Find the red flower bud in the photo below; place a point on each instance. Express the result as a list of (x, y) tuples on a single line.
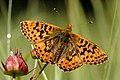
[(15, 64)]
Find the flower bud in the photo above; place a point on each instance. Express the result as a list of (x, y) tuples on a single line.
[(15, 64), (33, 54)]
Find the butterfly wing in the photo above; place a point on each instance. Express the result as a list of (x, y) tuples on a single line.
[(37, 31), (69, 57), (89, 52), (71, 63), (43, 53)]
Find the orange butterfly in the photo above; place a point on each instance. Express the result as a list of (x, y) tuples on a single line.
[(60, 46)]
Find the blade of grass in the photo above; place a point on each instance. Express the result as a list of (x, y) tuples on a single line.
[(58, 74), (9, 27), (112, 41), (3, 9)]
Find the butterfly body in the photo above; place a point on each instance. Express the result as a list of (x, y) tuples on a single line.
[(60, 46)]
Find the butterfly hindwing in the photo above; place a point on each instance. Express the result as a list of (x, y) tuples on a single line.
[(70, 64)]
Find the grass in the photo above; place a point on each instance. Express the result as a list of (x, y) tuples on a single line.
[(104, 32), (112, 41)]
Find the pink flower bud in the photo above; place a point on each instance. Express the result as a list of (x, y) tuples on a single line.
[(33, 54), (15, 64)]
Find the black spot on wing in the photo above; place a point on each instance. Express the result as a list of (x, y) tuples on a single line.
[(50, 27), (37, 30), (82, 53), (41, 26), (41, 32), (37, 24), (81, 41), (45, 27)]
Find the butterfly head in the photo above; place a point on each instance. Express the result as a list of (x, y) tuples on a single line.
[(68, 28)]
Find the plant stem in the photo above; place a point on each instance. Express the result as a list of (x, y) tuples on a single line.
[(34, 71), (9, 25), (8, 28), (43, 72)]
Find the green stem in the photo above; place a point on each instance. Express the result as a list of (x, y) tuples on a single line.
[(43, 73), (8, 29), (9, 25)]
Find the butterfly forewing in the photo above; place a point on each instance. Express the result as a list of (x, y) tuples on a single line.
[(89, 52), (37, 31)]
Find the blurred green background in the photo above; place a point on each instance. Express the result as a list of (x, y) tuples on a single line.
[(104, 31)]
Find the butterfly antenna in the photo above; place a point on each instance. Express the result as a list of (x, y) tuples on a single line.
[(55, 9)]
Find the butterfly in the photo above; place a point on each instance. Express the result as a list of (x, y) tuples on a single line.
[(55, 45)]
